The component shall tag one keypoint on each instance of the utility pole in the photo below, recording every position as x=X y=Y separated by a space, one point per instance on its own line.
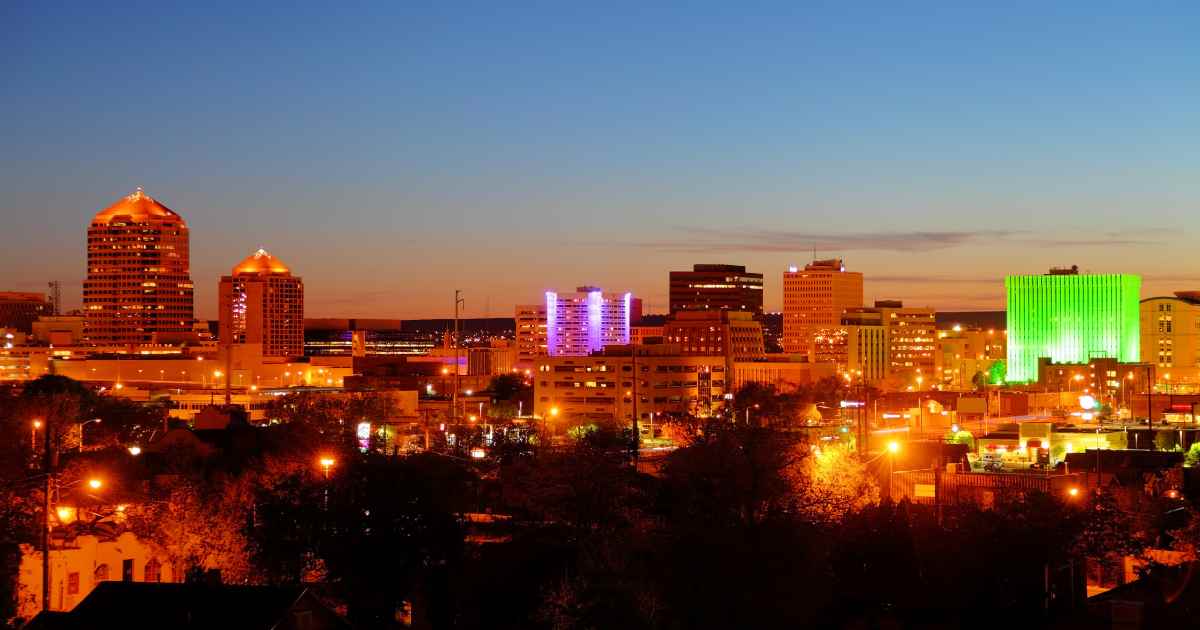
x=49 y=463
x=637 y=435
x=458 y=302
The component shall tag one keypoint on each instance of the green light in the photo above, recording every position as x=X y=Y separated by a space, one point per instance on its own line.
x=1071 y=319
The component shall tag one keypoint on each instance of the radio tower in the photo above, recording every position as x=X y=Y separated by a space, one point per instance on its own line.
x=55 y=298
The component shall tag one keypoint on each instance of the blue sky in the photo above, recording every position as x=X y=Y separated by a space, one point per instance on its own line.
x=390 y=153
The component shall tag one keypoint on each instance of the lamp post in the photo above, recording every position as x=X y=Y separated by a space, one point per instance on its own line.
x=36 y=424
x=893 y=447
x=81 y=425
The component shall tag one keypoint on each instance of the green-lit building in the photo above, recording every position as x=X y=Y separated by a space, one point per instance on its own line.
x=1071 y=318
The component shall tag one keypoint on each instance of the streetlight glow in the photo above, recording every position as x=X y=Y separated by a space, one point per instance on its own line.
x=95 y=484
x=893 y=447
x=135 y=450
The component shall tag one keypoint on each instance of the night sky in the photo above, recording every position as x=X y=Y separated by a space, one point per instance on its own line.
x=390 y=153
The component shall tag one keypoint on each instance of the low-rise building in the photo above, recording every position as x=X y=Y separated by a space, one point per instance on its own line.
x=602 y=388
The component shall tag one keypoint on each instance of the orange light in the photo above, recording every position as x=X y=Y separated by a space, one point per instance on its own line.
x=37 y=424
x=893 y=447
x=65 y=514
x=1074 y=492
x=95 y=484
x=327 y=462
x=554 y=411
x=135 y=450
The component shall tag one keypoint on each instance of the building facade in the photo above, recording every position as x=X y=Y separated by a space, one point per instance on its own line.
x=263 y=303
x=735 y=335
x=1170 y=330
x=530 y=322
x=815 y=298
x=586 y=321
x=964 y=352
x=138 y=287
x=1070 y=317
x=716 y=288
x=910 y=335
x=601 y=388
x=19 y=309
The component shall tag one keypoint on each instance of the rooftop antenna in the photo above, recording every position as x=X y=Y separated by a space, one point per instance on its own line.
x=55 y=297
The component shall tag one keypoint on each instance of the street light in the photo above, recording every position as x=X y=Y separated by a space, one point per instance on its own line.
x=326 y=464
x=81 y=425
x=135 y=450
x=95 y=484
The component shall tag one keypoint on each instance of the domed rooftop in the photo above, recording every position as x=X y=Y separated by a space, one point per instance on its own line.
x=261 y=263
x=139 y=206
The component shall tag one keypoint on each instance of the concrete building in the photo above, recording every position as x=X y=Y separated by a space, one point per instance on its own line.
x=786 y=372
x=1170 y=336
x=1071 y=318
x=262 y=303
x=735 y=335
x=18 y=309
x=59 y=330
x=138 y=287
x=601 y=388
x=866 y=346
x=530 y=321
x=642 y=335
x=815 y=298
x=964 y=352
x=586 y=321
x=716 y=287
x=909 y=334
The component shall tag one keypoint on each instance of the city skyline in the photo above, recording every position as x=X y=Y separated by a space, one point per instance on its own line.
x=924 y=147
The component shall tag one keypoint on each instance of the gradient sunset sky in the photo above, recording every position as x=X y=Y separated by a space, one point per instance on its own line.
x=391 y=152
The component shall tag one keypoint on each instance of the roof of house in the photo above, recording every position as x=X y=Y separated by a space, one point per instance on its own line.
x=189 y=606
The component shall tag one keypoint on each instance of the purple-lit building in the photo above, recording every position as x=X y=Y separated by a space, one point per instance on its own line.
x=585 y=321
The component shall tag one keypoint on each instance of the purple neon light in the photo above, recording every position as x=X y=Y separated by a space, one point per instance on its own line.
x=551 y=323
x=626 y=331
x=594 y=331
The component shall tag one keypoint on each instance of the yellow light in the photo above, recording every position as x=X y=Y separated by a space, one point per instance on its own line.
x=135 y=450
x=445 y=370
x=474 y=417
x=893 y=447
x=327 y=462
x=554 y=411
x=37 y=424
x=478 y=453
x=64 y=514
x=1074 y=492
x=95 y=484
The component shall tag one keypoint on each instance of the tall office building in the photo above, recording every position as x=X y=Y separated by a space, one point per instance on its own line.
x=910 y=339
x=263 y=303
x=716 y=287
x=530 y=320
x=815 y=298
x=736 y=335
x=1070 y=318
x=138 y=288
x=585 y=321
x=1171 y=331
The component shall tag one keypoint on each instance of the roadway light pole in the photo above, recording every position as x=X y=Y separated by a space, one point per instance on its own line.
x=458 y=302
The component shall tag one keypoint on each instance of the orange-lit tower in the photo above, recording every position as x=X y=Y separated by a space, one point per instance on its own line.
x=815 y=298
x=263 y=303
x=138 y=288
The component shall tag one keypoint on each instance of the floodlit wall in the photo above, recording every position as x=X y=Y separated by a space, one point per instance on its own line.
x=1071 y=319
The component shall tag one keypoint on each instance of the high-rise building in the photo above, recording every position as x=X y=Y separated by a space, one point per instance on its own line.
x=815 y=298
x=736 y=335
x=1070 y=318
x=1171 y=330
x=530 y=320
x=18 y=309
x=261 y=302
x=585 y=321
x=910 y=337
x=138 y=288
x=716 y=287
x=963 y=352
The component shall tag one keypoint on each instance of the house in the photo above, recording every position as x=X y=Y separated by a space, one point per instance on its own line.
x=198 y=606
x=79 y=563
